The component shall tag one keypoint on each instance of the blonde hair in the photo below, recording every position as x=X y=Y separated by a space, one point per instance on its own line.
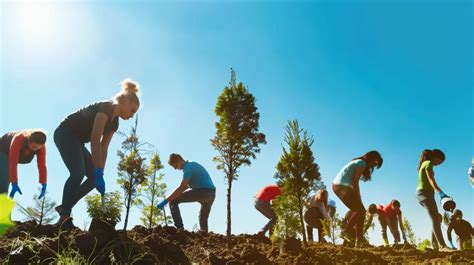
x=322 y=196
x=130 y=90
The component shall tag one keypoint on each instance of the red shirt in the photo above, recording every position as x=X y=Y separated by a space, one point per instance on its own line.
x=268 y=193
x=387 y=210
x=14 y=157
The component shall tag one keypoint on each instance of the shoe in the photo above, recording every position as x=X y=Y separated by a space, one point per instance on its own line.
x=446 y=249
x=65 y=223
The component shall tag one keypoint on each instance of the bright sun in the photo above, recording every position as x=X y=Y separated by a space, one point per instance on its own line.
x=36 y=21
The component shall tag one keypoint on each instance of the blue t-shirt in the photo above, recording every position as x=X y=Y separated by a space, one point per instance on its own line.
x=197 y=176
x=345 y=176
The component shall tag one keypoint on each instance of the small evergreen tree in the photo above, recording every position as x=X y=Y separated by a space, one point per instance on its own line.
x=153 y=190
x=332 y=227
x=42 y=212
x=298 y=173
x=132 y=170
x=288 y=223
x=237 y=136
x=410 y=234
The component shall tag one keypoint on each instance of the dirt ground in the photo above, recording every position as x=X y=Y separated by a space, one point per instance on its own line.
x=29 y=243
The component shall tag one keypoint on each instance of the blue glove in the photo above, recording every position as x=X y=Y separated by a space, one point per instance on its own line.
x=15 y=188
x=162 y=204
x=99 y=180
x=442 y=194
x=43 y=191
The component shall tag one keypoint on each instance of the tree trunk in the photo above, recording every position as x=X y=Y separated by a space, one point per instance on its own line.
x=229 y=222
x=129 y=202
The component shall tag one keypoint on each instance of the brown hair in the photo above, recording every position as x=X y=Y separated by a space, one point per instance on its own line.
x=371 y=156
x=37 y=136
x=430 y=154
x=174 y=158
x=130 y=91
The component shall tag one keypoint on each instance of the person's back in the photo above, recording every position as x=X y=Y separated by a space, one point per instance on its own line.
x=345 y=176
x=268 y=192
x=197 y=175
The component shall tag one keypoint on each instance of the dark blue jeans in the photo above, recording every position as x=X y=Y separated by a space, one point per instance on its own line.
x=78 y=161
x=4 y=173
x=427 y=200
x=204 y=196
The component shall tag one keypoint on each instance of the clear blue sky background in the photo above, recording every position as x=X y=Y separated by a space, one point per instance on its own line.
x=358 y=75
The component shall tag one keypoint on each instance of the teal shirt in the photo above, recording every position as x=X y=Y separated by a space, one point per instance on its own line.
x=197 y=176
x=345 y=176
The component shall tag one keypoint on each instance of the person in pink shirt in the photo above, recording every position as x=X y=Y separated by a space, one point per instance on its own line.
x=263 y=204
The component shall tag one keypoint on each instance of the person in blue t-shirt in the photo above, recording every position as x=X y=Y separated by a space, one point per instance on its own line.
x=196 y=186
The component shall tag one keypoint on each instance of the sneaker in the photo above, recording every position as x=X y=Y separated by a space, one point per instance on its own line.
x=446 y=249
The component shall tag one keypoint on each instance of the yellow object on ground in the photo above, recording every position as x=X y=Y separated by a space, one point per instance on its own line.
x=6 y=207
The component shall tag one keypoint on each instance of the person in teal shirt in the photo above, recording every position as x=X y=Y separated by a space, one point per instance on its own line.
x=196 y=186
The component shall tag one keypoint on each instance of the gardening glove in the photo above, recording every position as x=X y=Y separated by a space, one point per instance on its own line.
x=451 y=245
x=43 y=191
x=442 y=194
x=15 y=188
x=162 y=204
x=99 y=180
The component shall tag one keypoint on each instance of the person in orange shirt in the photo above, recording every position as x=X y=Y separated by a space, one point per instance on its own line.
x=20 y=148
x=263 y=204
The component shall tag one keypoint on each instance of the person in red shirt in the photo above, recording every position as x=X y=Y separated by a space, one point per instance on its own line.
x=389 y=216
x=20 y=148
x=263 y=204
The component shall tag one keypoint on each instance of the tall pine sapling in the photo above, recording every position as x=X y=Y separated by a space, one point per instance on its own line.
x=153 y=190
x=42 y=212
x=237 y=136
x=132 y=170
x=298 y=173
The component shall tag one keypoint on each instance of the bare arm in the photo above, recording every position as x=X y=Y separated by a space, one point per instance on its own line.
x=356 y=179
x=96 y=135
x=180 y=189
x=105 y=146
x=431 y=179
x=400 y=222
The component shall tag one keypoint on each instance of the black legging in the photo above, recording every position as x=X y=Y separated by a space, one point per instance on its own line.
x=349 y=198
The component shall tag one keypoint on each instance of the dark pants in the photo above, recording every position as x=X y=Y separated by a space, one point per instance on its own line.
x=349 y=198
x=204 y=196
x=313 y=218
x=392 y=223
x=78 y=161
x=4 y=173
x=265 y=207
x=426 y=199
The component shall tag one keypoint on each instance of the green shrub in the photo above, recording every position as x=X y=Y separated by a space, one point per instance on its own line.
x=110 y=212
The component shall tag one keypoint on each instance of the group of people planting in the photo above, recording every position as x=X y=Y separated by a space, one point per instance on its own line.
x=346 y=187
x=97 y=123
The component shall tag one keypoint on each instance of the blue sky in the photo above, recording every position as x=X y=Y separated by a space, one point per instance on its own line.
x=358 y=75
